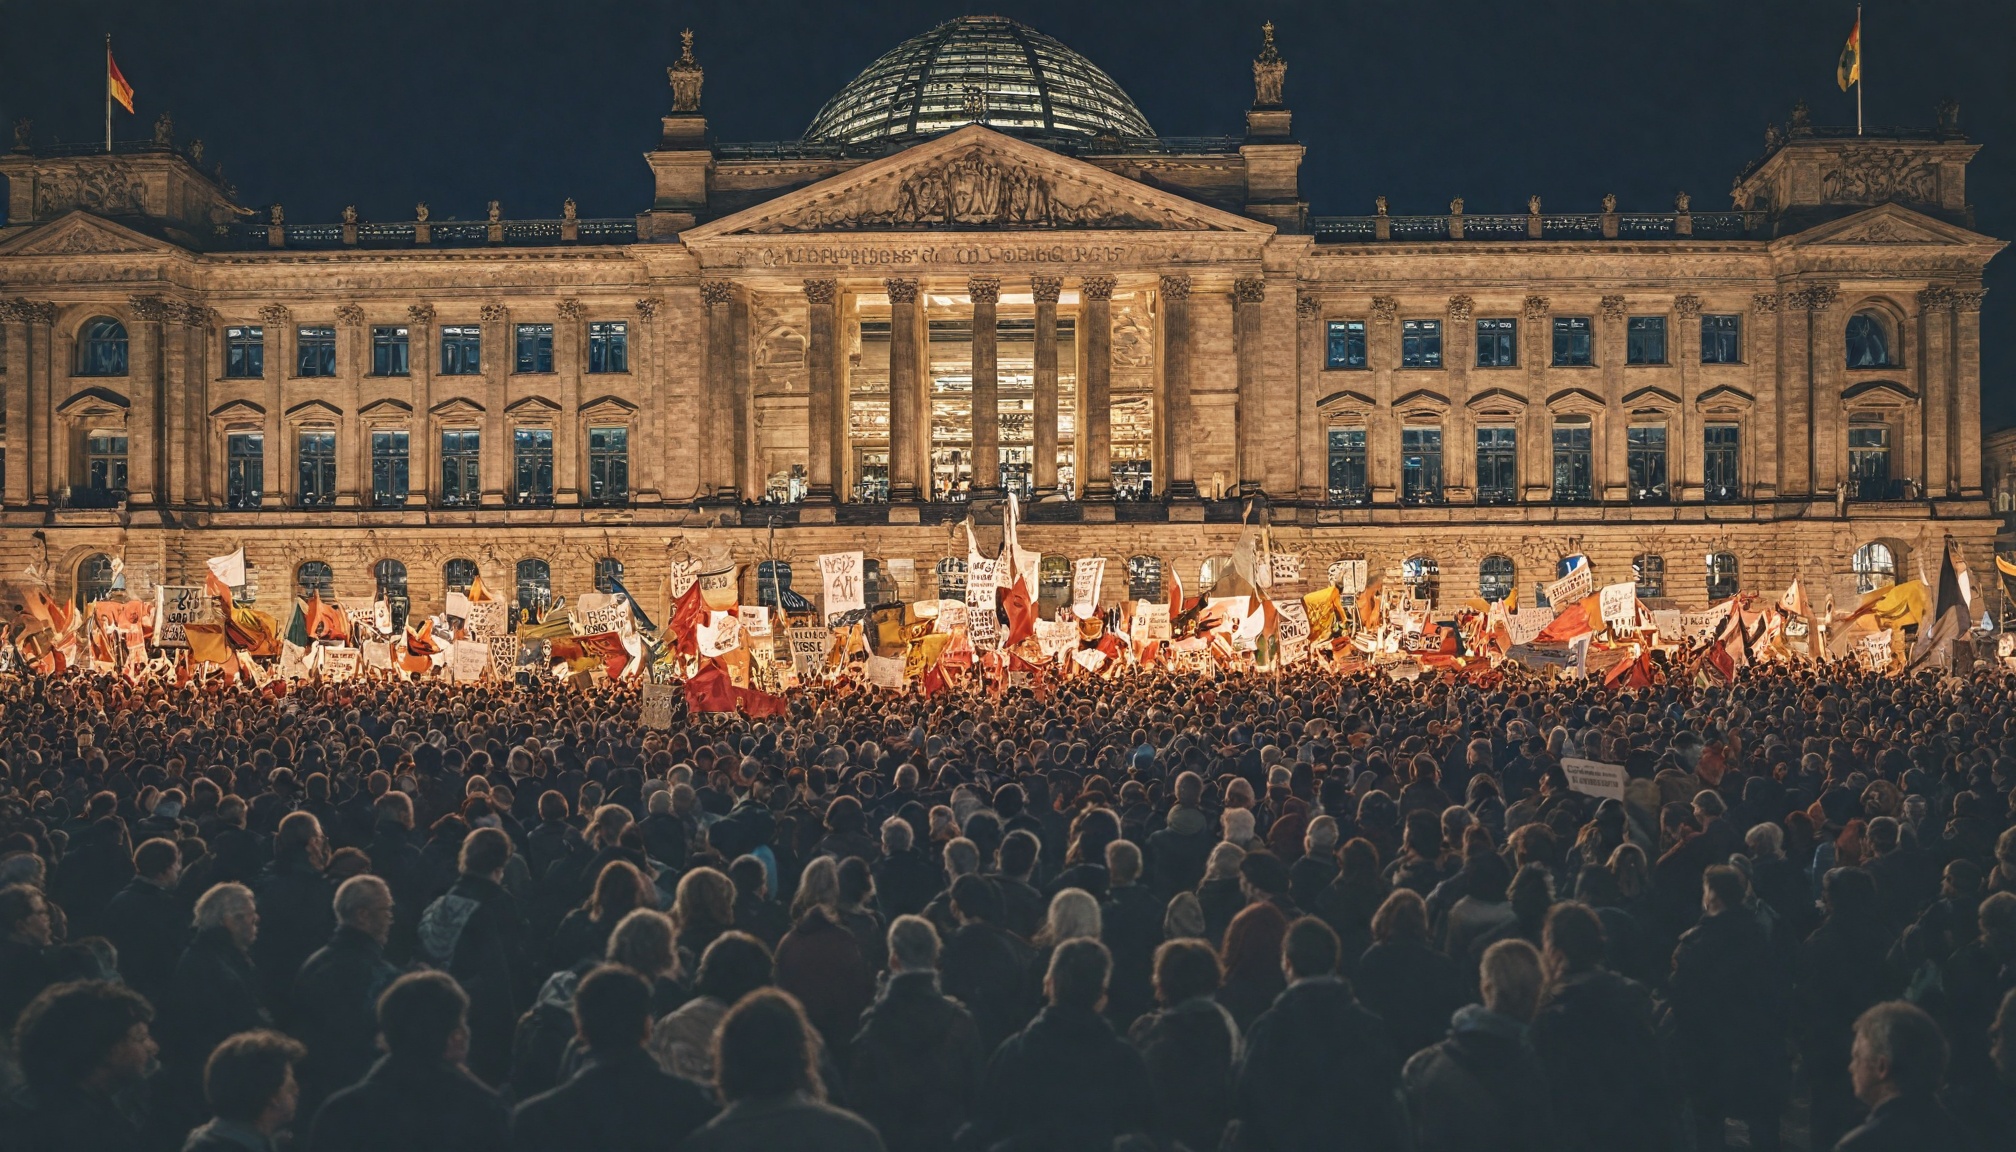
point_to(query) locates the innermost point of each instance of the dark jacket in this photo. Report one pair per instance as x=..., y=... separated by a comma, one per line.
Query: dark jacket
x=336, y=1012
x=1308, y=877
x=405, y=1105
x=916, y=1064
x=664, y=838
x=1729, y=1008
x=1176, y=855
x=1413, y=988
x=1131, y=927
x=149, y=925
x=476, y=933
x=25, y=969
x=618, y=1102
x=1482, y=1089
x=984, y=967
x=214, y=995
x=1908, y=1124
x=820, y=963
x=1066, y=1083
x=85, y=1120
x=1320, y=1073
x=904, y=883
x=296, y=915
x=1220, y=900
x=1604, y=1072
x=1190, y=1051
x=784, y=1124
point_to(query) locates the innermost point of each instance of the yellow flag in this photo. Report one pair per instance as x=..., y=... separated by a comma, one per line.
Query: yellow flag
x=1849, y=69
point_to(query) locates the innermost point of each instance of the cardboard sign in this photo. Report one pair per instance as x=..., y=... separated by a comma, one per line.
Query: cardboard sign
x=1151, y=622
x=176, y=606
x=340, y=663
x=1620, y=605
x=981, y=623
x=1576, y=585
x=1056, y=636
x=1594, y=778
x=755, y=622
x=1702, y=625
x=720, y=634
x=657, y=710
x=1086, y=577
x=598, y=612
x=843, y=583
x=1294, y=629
x=1528, y=623
x=1348, y=576
x=685, y=571
x=952, y=615
x=485, y=619
x=377, y=654
x=808, y=648
x=1875, y=649
x=886, y=671
x=468, y=660
x=458, y=604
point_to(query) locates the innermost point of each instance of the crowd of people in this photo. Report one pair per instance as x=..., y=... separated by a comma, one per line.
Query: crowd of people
x=1157, y=912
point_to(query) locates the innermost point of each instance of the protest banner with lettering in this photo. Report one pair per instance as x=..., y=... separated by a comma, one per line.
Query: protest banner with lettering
x=485, y=619
x=176, y=606
x=720, y=634
x=377, y=654
x=1294, y=630
x=1348, y=576
x=1286, y=567
x=1620, y=605
x=755, y=621
x=1056, y=636
x=808, y=648
x=340, y=663
x=952, y=616
x=469, y=659
x=1527, y=623
x=886, y=671
x=843, y=583
x=657, y=710
x=981, y=623
x=1576, y=585
x=685, y=571
x=1594, y=778
x=1875, y=649
x=1087, y=575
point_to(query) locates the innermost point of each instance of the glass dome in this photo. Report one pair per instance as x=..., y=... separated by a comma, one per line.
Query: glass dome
x=978, y=70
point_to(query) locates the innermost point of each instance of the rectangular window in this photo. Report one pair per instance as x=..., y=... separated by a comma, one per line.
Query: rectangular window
x=535, y=348
x=1571, y=341
x=461, y=466
x=388, y=351
x=1497, y=343
x=1869, y=461
x=388, y=468
x=1721, y=339
x=1420, y=343
x=317, y=458
x=1421, y=465
x=461, y=350
x=608, y=465
x=315, y=351
x=1347, y=466
x=1645, y=458
x=533, y=449
x=1346, y=344
x=1497, y=465
x=105, y=464
x=244, y=352
x=1719, y=444
x=608, y=346
x=245, y=470
x=1573, y=464
x=1645, y=340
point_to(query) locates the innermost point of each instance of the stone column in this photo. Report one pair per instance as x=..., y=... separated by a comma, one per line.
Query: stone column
x=903, y=415
x=21, y=457
x=189, y=382
x=1312, y=455
x=351, y=349
x=1247, y=297
x=1536, y=440
x=1935, y=371
x=143, y=416
x=284, y=482
x=1382, y=428
x=495, y=457
x=1760, y=347
x=986, y=293
x=1459, y=438
x=1044, y=437
x=1967, y=387
x=43, y=478
x=1827, y=363
x=822, y=406
x=1612, y=481
x=1182, y=483
x=647, y=459
x=570, y=440
x=1683, y=436
x=1095, y=414
x=717, y=384
x=496, y=355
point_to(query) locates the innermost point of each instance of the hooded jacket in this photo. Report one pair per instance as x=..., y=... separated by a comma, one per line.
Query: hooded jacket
x=1320, y=1073
x=1481, y=1090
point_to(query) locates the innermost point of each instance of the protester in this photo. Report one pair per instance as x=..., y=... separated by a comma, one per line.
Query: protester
x=766, y=1073
x=249, y=1082
x=420, y=1096
x=917, y=1062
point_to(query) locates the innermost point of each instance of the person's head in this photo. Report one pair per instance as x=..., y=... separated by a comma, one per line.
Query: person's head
x=1575, y=939
x=249, y=1079
x=1899, y=1051
x=733, y=966
x=1253, y=942
x=1224, y=861
x=1402, y=917
x=619, y=887
x=752, y=879
x=612, y=1009
x=818, y=887
x=897, y=835
x=485, y=852
x=1765, y=841
x=158, y=861
x=85, y=1032
x=299, y=837
x=975, y=900
x=1320, y=838
x=1510, y=979
x=24, y=915
x=1723, y=889
x=1997, y=915
x=1184, y=970
x=229, y=907
x=646, y=943
x=764, y=1050
x=705, y=898
x=913, y=945
x=1848, y=892
x=1123, y=862
x=1073, y=915
x=423, y=1018
x=1310, y=949
x=962, y=857
x=1077, y=975
x=364, y=904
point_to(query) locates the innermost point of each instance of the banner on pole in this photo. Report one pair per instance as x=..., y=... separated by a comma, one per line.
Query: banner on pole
x=1576, y=585
x=1086, y=577
x=843, y=583
x=1620, y=605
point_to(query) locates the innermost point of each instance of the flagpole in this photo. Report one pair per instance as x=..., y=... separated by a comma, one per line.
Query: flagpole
x=1858, y=70
x=108, y=93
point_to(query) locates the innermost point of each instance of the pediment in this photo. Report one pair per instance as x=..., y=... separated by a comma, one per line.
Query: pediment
x=531, y=405
x=608, y=406
x=457, y=406
x=1878, y=391
x=387, y=407
x=1725, y=396
x=94, y=401
x=1496, y=398
x=1422, y=400
x=80, y=233
x=1346, y=398
x=238, y=410
x=1887, y=224
x=314, y=410
x=1652, y=396
x=1575, y=400
x=975, y=179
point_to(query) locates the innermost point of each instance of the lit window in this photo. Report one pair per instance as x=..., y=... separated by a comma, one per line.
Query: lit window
x=1421, y=465
x=1347, y=466
x=391, y=579
x=1868, y=341
x=1649, y=573
x=1722, y=576
x=1720, y=444
x=1645, y=459
x=1875, y=567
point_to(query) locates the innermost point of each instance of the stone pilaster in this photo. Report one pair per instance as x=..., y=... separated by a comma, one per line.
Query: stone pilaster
x=1683, y=435
x=1459, y=436
x=1312, y=457
x=1935, y=372
x=823, y=407
x=1382, y=431
x=1182, y=484
x=1248, y=295
x=986, y=294
x=1827, y=366
x=283, y=478
x=20, y=457
x=570, y=439
x=1612, y=482
x=647, y=367
x=1044, y=436
x=353, y=440
x=1536, y=438
x=495, y=361
x=1762, y=480
x=904, y=417
x=716, y=431
x=143, y=416
x=496, y=456
x=1095, y=414
x=1967, y=387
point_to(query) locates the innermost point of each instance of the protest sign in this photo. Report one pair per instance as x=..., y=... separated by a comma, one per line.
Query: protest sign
x=755, y=621
x=503, y=656
x=340, y=663
x=484, y=619
x=685, y=571
x=1594, y=778
x=981, y=623
x=1056, y=636
x=843, y=583
x=469, y=659
x=176, y=606
x=1348, y=576
x=657, y=710
x=458, y=604
x=377, y=654
x=808, y=648
x=1294, y=630
x=1286, y=567
x=1086, y=577
x=1576, y=585
x=720, y=634
x=952, y=615
x=886, y=671
x=1090, y=659
x=1528, y=623
x=1620, y=605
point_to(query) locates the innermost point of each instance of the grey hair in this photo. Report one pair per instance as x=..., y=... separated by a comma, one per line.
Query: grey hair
x=913, y=943
x=216, y=905
x=355, y=893
x=1321, y=835
x=1766, y=841
x=897, y=835
x=962, y=856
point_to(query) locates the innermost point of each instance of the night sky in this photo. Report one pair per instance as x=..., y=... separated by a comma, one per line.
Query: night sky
x=319, y=104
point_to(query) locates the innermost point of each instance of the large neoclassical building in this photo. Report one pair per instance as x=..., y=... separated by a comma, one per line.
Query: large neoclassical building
x=983, y=269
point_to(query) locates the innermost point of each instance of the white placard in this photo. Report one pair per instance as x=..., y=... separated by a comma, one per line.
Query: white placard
x=176, y=606
x=468, y=660
x=1528, y=623
x=377, y=654
x=842, y=583
x=720, y=634
x=1576, y=585
x=1090, y=659
x=657, y=710
x=484, y=619
x=340, y=663
x=755, y=621
x=1087, y=575
x=1620, y=605
x=981, y=622
x=1348, y=576
x=292, y=666
x=458, y=604
x=1286, y=566
x=952, y=616
x=1294, y=630
x=1056, y=636
x=808, y=648
x=685, y=570
x=1594, y=778
x=886, y=671
x=1671, y=623
x=1155, y=623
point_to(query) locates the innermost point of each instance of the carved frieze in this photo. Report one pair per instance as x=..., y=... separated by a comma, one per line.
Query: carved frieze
x=1871, y=176
x=1307, y=307
x=714, y=292
x=1613, y=307
x=349, y=315
x=108, y=185
x=1764, y=302
x=1176, y=287
x=569, y=309
x=1687, y=305
x=1537, y=307
x=495, y=313
x=1935, y=299
x=1968, y=299
x=1384, y=309
x=901, y=291
x=151, y=308
x=420, y=313
x=275, y=314
x=821, y=291
x=647, y=309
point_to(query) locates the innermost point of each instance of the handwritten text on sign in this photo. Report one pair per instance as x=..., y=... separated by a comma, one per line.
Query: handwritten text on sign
x=843, y=582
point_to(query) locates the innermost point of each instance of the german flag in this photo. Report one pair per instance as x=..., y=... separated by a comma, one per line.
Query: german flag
x=1849, y=69
x=115, y=83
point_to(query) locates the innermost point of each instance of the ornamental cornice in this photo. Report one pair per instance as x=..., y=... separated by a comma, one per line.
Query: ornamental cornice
x=153, y=309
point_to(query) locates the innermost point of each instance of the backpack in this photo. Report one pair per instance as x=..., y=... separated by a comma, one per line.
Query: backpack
x=441, y=927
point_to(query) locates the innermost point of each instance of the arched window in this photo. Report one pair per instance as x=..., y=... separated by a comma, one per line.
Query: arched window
x=391, y=577
x=1649, y=572
x=608, y=574
x=1868, y=339
x=458, y=575
x=1722, y=581
x=1144, y=577
x=535, y=585
x=1421, y=574
x=1215, y=568
x=1875, y=567
x=1495, y=577
x=952, y=578
x=101, y=348
x=94, y=579
x=1053, y=583
x=315, y=576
